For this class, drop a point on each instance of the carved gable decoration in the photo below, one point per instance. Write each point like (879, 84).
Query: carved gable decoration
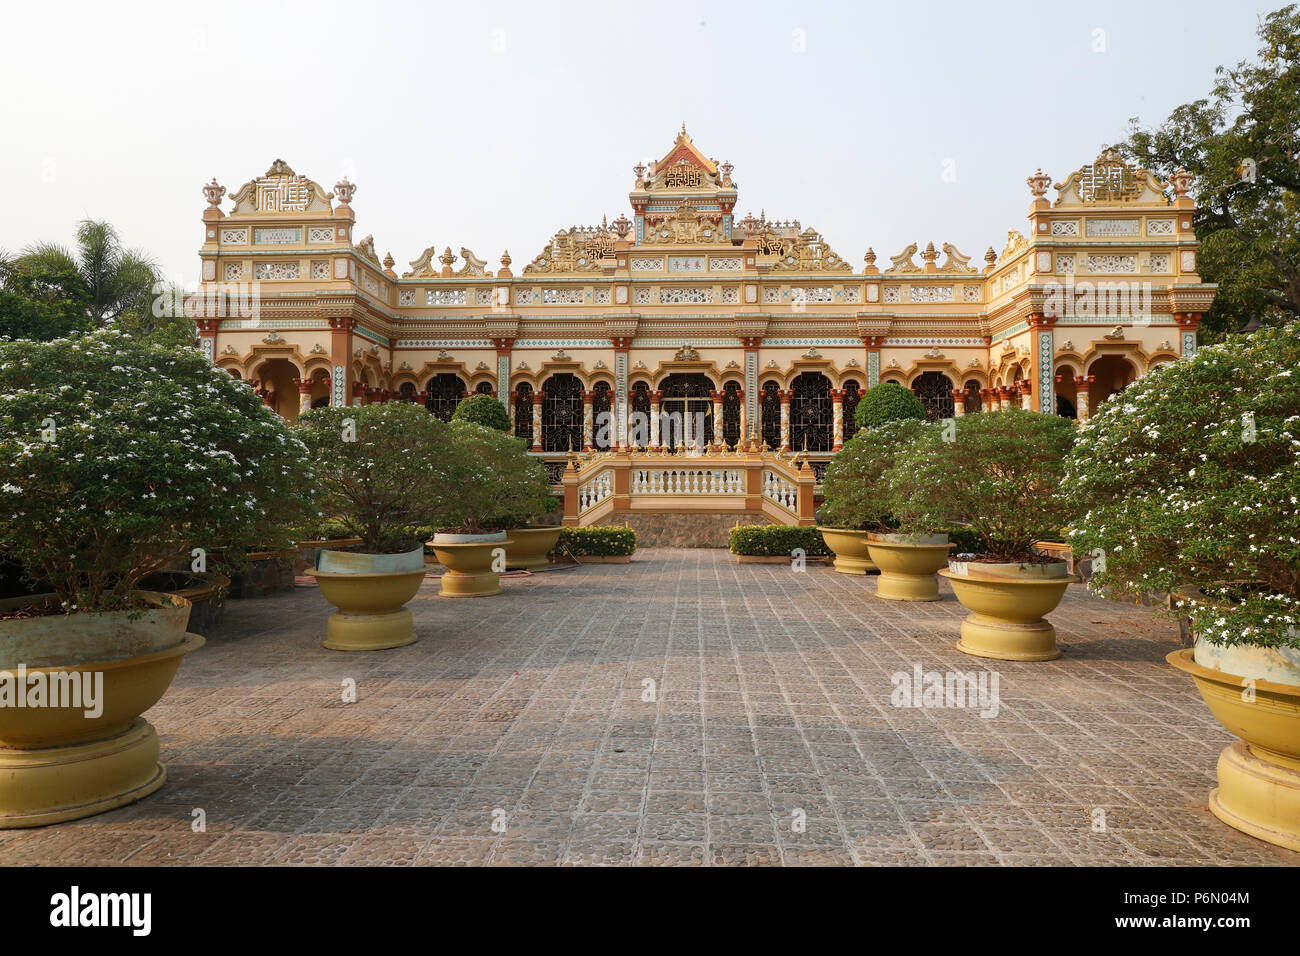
(580, 249)
(903, 261)
(281, 190)
(1108, 179)
(685, 225)
(809, 253)
(366, 249)
(422, 267)
(956, 262)
(473, 266)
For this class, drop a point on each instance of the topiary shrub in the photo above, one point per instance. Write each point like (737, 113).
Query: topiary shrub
(853, 495)
(999, 476)
(598, 540)
(888, 402)
(504, 487)
(1191, 477)
(117, 458)
(383, 470)
(483, 410)
(775, 540)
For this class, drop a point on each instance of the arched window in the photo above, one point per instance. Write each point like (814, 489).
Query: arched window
(483, 388)
(602, 420)
(770, 408)
(686, 394)
(562, 413)
(731, 414)
(852, 395)
(934, 389)
(524, 412)
(407, 392)
(811, 416)
(445, 392)
(638, 427)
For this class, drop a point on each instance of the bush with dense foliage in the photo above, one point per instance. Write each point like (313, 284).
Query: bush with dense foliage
(1191, 476)
(888, 402)
(118, 457)
(599, 540)
(775, 540)
(504, 487)
(483, 410)
(999, 476)
(854, 496)
(383, 470)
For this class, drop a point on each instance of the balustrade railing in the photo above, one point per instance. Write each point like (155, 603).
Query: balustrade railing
(679, 481)
(595, 490)
(779, 489)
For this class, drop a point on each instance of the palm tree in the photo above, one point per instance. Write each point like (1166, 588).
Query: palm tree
(112, 281)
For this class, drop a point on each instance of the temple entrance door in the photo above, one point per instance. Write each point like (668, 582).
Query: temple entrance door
(685, 409)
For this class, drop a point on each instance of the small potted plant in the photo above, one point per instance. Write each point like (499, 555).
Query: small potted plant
(998, 474)
(117, 459)
(504, 486)
(381, 471)
(851, 506)
(532, 539)
(1190, 484)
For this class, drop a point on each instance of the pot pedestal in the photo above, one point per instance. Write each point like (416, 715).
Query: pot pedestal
(1006, 620)
(370, 615)
(530, 546)
(55, 784)
(469, 571)
(850, 550)
(907, 569)
(1259, 775)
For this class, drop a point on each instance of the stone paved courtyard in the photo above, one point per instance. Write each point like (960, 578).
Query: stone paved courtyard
(773, 698)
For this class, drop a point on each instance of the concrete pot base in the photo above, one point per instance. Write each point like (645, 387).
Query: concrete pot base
(369, 632)
(370, 615)
(1004, 641)
(907, 569)
(1257, 796)
(850, 550)
(55, 784)
(1006, 620)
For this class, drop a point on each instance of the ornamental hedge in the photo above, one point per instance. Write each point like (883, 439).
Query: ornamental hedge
(483, 410)
(597, 540)
(888, 402)
(775, 540)
(1191, 477)
(117, 458)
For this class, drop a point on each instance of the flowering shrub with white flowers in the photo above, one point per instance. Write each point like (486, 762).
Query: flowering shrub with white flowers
(1191, 476)
(118, 458)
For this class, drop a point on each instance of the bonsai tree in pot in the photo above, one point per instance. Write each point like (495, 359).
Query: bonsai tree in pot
(381, 471)
(852, 507)
(1189, 483)
(117, 458)
(999, 475)
(503, 487)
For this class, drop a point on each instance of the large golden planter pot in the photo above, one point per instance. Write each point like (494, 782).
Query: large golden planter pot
(850, 550)
(87, 756)
(907, 567)
(1259, 775)
(1006, 620)
(469, 571)
(530, 546)
(370, 615)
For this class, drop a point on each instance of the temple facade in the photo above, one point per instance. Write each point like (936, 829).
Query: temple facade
(682, 325)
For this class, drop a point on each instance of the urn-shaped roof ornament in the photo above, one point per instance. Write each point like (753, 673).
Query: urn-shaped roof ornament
(344, 191)
(213, 192)
(1182, 181)
(622, 225)
(1038, 183)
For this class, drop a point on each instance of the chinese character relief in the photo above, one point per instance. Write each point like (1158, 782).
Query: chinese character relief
(1108, 179)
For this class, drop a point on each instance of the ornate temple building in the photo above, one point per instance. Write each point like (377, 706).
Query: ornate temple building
(683, 325)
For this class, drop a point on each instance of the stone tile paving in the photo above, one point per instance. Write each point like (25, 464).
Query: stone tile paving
(771, 705)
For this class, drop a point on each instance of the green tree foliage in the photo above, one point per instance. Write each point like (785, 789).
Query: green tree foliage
(853, 493)
(117, 457)
(505, 486)
(997, 473)
(1243, 144)
(1191, 476)
(888, 402)
(483, 410)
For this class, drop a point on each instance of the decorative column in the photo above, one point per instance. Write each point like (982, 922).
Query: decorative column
(1187, 324)
(958, 403)
(837, 419)
(587, 397)
(744, 421)
(653, 443)
(537, 420)
(510, 407)
(1081, 385)
(1043, 365)
(749, 412)
(1027, 394)
(503, 347)
(304, 394)
(622, 344)
(343, 379)
(717, 418)
(987, 400)
(785, 395)
(872, 344)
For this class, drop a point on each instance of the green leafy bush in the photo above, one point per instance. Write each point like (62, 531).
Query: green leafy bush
(888, 402)
(383, 470)
(505, 486)
(1191, 476)
(483, 410)
(775, 540)
(600, 540)
(999, 476)
(118, 457)
(854, 496)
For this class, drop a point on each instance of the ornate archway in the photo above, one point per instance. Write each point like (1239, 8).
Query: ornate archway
(562, 413)
(811, 416)
(934, 389)
(446, 389)
(686, 395)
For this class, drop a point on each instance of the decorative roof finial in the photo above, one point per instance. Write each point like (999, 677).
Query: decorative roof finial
(213, 192)
(343, 191)
(1182, 182)
(1038, 183)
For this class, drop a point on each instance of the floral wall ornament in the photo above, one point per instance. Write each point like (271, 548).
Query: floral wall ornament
(1068, 345)
(444, 355)
(404, 367)
(812, 354)
(1115, 333)
(230, 350)
(851, 363)
(686, 354)
(561, 356)
(274, 338)
(934, 353)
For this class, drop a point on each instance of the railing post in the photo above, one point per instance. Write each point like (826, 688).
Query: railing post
(807, 482)
(570, 481)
